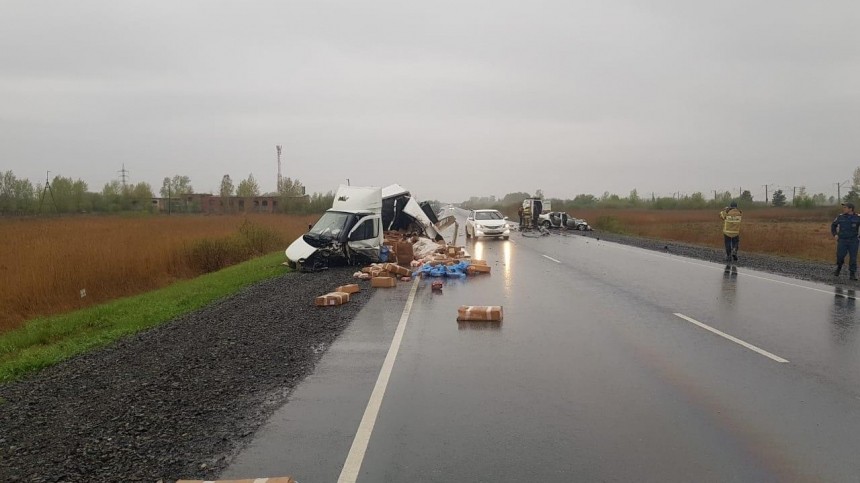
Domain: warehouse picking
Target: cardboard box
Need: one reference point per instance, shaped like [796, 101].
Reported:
[478, 262]
[476, 269]
[350, 289]
[480, 313]
[398, 270]
[334, 298]
[382, 282]
[367, 270]
[405, 253]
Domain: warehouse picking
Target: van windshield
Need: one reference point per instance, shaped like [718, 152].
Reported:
[331, 225]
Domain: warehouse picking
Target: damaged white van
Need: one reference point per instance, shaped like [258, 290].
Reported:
[351, 231]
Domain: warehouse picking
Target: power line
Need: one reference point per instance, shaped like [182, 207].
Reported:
[47, 189]
[123, 175]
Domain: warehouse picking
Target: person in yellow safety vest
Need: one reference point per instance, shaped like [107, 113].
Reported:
[731, 230]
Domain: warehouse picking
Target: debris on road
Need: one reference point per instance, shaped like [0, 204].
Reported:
[330, 299]
[480, 313]
[383, 282]
[436, 286]
[350, 289]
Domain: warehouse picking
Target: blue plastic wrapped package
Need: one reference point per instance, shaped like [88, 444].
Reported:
[384, 253]
[453, 271]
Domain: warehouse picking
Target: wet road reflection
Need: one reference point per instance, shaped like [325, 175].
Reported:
[730, 285]
[843, 315]
[471, 325]
[506, 250]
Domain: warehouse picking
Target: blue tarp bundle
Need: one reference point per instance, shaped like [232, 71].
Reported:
[453, 271]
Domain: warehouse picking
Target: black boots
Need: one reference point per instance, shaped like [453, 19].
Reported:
[851, 276]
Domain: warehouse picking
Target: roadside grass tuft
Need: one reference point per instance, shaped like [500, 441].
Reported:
[45, 341]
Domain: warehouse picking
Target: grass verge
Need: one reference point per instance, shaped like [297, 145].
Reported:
[45, 341]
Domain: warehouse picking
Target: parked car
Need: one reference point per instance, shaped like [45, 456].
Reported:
[487, 223]
[558, 219]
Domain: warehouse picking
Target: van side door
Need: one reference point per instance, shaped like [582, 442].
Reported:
[365, 238]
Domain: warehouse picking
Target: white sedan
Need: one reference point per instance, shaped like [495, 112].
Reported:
[485, 223]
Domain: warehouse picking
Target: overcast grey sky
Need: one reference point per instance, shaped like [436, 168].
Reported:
[448, 98]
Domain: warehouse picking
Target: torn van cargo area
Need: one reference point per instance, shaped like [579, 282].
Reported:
[354, 230]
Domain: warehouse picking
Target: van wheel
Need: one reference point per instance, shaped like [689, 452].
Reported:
[545, 224]
[467, 234]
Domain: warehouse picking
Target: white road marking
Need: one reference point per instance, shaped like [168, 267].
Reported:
[553, 259]
[680, 258]
[351, 467]
[261, 480]
[732, 338]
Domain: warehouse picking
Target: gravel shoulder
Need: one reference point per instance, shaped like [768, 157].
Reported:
[177, 400]
[788, 267]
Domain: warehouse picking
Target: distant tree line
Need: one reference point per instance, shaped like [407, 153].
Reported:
[67, 195]
[695, 201]
[19, 196]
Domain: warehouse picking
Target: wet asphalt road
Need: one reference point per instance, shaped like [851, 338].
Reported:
[591, 377]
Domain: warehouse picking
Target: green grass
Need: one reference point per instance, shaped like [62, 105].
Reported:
[43, 342]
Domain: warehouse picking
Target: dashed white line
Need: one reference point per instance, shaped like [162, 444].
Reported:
[733, 339]
[351, 467]
[553, 259]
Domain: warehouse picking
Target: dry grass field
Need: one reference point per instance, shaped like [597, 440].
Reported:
[46, 262]
[778, 231]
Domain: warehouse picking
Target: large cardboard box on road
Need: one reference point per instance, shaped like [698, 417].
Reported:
[405, 253]
[480, 313]
[397, 269]
[382, 282]
[350, 289]
[334, 298]
[476, 269]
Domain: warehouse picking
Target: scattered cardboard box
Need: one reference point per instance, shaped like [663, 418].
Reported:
[350, 289]
[480, 313]
[405, 253]
[329, 299]
[397, 269]
[382, 282]
[477, 269]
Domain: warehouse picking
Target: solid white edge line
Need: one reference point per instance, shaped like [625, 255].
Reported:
[352, 465]
[553, 259]
[261, 480]
[682, 259]
[733, 339]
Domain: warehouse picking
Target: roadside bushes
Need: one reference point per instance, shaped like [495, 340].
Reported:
[610, 224]
[213, 254]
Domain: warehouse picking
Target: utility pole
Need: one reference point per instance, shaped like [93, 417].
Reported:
[793, 193]
[839, 191]
[715, 195]
[123, 174]
[765, 193]
[280, 178]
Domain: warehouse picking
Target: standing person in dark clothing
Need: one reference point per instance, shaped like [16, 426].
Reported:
[732, 230]
[537, 209]
[520, 213]
[845, 229]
